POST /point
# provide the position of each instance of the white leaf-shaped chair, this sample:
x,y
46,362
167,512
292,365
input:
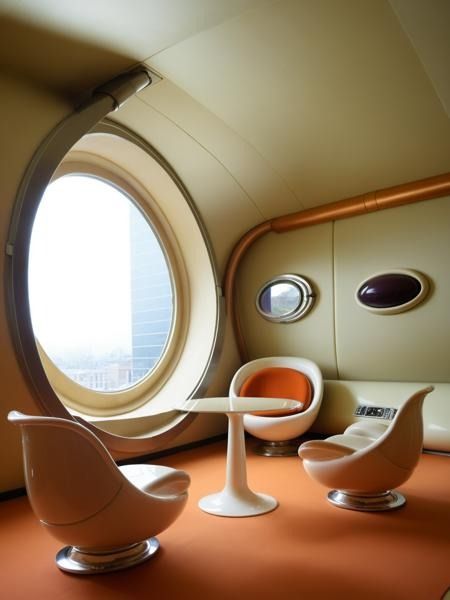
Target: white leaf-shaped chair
x,y
279,432
108,515
366,463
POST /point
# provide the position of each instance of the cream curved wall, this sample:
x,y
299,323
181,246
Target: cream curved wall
x,y
307,252
411,346
346,340
30,114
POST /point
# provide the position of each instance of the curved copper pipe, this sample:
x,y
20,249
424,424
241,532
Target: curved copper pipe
x,y
407,193
230,278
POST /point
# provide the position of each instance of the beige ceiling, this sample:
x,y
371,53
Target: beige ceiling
x,y
331,94
136,28
298,102
427,25
70,45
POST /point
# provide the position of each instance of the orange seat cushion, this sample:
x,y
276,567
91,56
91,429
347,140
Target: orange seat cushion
x,y
278,382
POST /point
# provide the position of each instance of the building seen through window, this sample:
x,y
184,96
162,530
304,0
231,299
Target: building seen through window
x,y
151,298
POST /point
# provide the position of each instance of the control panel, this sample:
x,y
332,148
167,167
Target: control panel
x,y
378,412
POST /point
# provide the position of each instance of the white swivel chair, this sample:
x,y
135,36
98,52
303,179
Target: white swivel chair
x,y
106,514
365,463
280,377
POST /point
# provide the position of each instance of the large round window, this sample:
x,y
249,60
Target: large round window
x,y
100,289
103,291
118,310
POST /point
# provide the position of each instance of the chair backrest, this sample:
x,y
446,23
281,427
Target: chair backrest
x,y
279,382
402,442
264,373
69,473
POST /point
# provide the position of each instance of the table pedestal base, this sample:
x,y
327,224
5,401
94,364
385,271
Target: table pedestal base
x,y
247,504
237,499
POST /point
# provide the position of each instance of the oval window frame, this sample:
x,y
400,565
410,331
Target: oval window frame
x,y
394,310
92,402
302,309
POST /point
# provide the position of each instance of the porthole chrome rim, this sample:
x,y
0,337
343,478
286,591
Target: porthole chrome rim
x,y
307,298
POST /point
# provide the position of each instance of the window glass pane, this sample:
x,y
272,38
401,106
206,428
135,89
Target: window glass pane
x,y
280,299
100,290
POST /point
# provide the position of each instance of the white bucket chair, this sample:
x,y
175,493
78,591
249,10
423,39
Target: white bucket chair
x,y
280,377
107,514
365,463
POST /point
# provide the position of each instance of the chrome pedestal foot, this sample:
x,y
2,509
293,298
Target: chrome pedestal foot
x,y
286,448
84,561
389,500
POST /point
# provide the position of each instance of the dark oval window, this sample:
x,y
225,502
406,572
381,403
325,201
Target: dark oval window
x,y
392,292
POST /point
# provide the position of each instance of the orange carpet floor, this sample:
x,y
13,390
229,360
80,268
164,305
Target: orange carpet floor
x,y
306,549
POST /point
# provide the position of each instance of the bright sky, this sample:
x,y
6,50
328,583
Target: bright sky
x,y
79,271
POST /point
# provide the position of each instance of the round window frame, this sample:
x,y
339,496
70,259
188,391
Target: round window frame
x,y
155,423
90,402
304,306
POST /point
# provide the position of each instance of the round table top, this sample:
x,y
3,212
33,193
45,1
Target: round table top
x,y
238,405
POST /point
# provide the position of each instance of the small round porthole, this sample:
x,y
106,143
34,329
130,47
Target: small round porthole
x,y
285,298
392,292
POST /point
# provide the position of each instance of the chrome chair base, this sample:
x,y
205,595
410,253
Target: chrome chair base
x,y
286,448
77,560
389,500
